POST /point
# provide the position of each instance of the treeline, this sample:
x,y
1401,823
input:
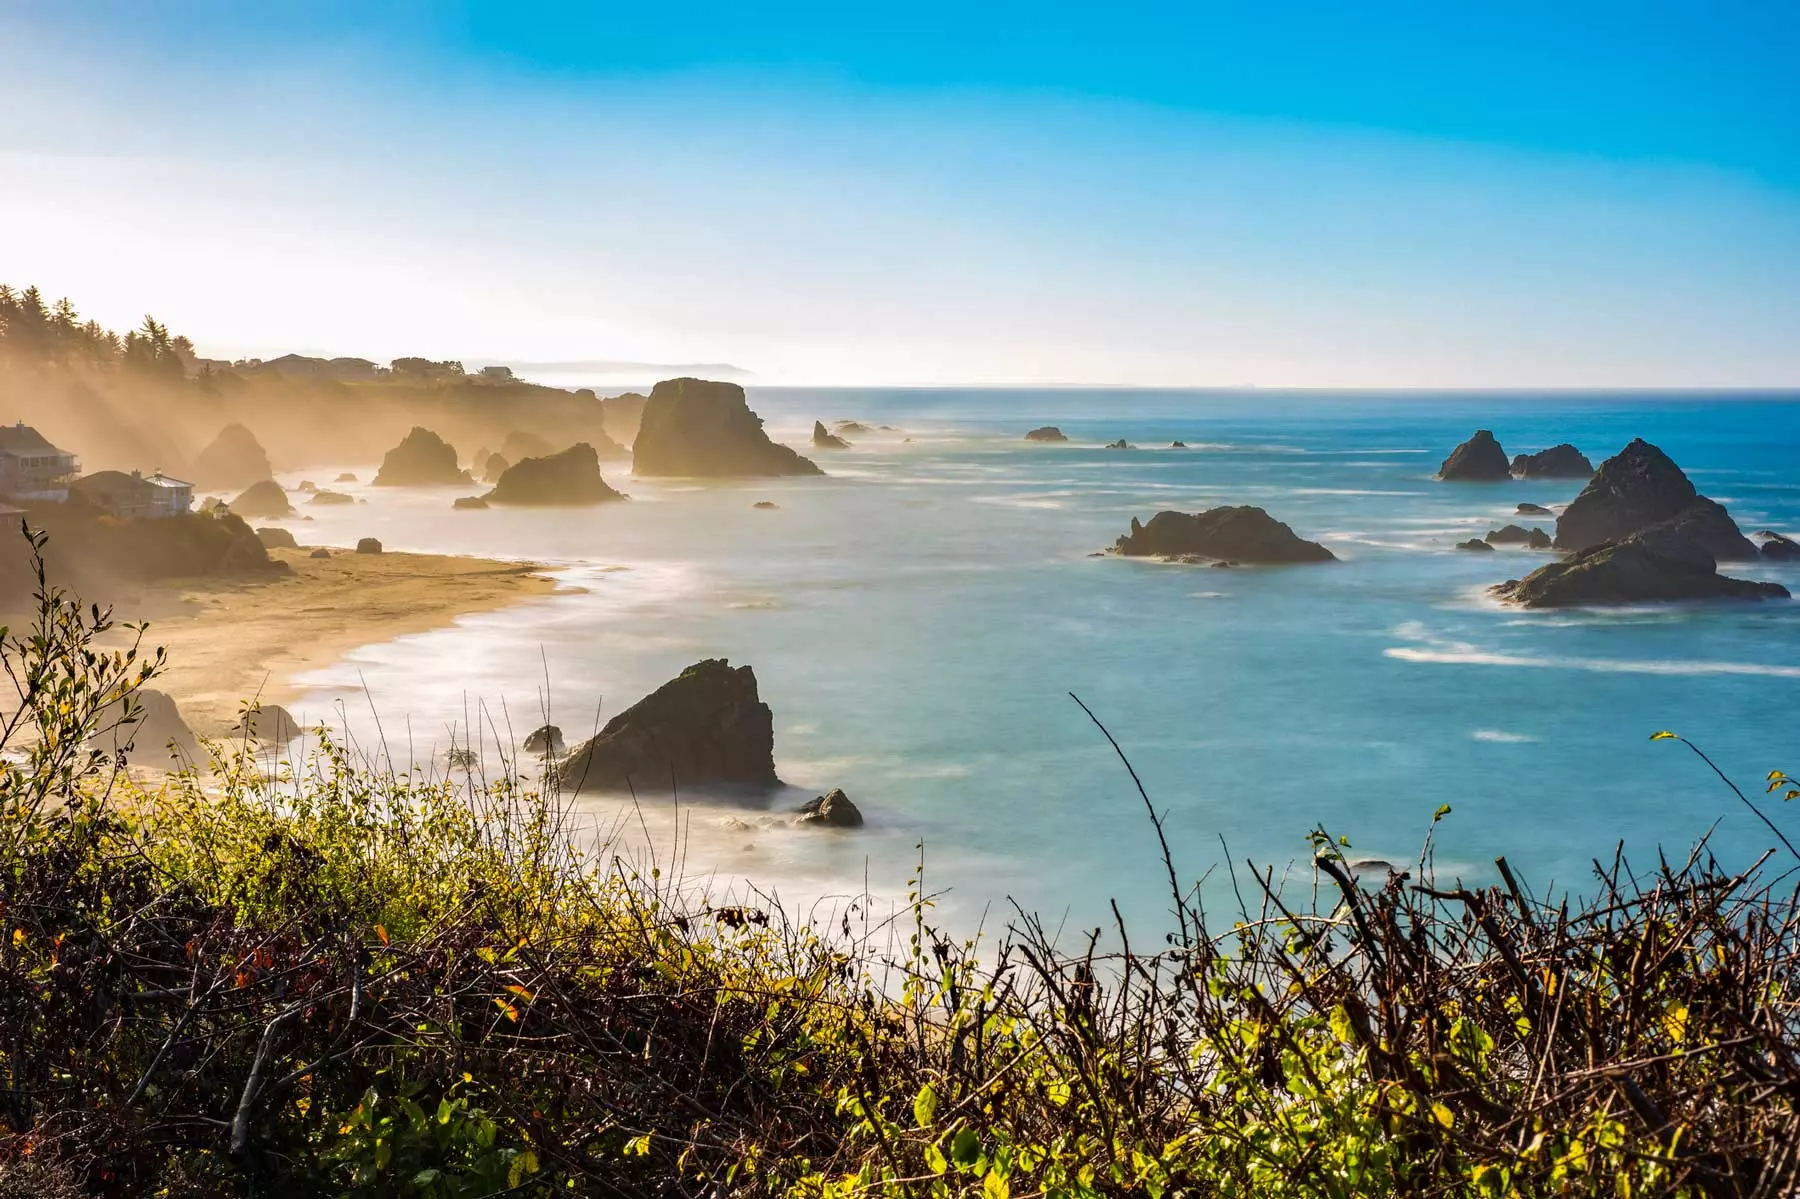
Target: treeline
x,y
33,333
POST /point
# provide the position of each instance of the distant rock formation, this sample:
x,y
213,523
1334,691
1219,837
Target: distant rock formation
x,y
1474,543
468,503
766,505
1558,462
1533,510
827,441
368,545
1241,534
707,727
832,810
1539,540
570,479
1659,564
1120,444
1508,535
422,459
700,429
1640,487
332,497
620,416
1477,460
546,741
346,477
277,539
1777,548
851,428
493,466
1046,433
262,501
520,445
306,485
271,724
1178,445
234,459
156,735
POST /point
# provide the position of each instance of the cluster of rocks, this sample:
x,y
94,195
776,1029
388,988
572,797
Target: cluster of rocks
x,y
694,428
570,479
1232,534
1481,460
422,459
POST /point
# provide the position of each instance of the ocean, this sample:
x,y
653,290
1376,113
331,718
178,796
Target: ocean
x,y
919,619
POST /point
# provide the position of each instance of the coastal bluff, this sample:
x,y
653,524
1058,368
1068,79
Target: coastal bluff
x,y
695,428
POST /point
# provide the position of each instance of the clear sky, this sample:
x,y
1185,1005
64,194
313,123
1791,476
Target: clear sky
x,y
1301,194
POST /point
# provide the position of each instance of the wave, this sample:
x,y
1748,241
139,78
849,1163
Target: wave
x,y
1461,654
1501,737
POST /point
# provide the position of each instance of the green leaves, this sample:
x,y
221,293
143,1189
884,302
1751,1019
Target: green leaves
x,y
965,1147
925,1106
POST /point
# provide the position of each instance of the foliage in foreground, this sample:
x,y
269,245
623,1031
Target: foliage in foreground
x,y
338,981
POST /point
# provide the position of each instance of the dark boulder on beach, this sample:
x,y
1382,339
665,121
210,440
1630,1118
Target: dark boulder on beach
x,y
695,428
368,545
1656,565
264,500
1509,535
1474,543
546,741
1533,510
233,459
1046,433
277,539
706,727
1558,462
422,459
1477,460
1242,534
823,440
1640,487
833,810
570,479
321,552
1777,548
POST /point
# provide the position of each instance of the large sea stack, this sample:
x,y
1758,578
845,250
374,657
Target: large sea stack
x,y
1640,487
620,416
1656,565
826,440
422,459
1477,460
1558,462
265,500
570,479
1046,433
1222,534
692,428
705,728
235,459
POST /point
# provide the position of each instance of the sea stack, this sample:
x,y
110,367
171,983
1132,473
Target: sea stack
x,y
694,428
1046,433
265,500
1241,534
824,440
705,728
1640,487
570,479
1558,462
1656,565
1477,460
234,459
422,459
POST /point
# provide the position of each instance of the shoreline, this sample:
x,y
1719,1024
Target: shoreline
x,y
233,640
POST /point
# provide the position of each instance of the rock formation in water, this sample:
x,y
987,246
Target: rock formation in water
x,y
306,485
546,741
332,497
766,505
1477,460
1778,548
422,459
346,477
621,415
493,466
271,724
277,539
1474,543
823,440
157,735
700,429
468,503
368,545
519,445
234,459
1539,540
1533,510
1178,445
1658,564
570,479
851,428
1558,462
705,728
1242,534
1120,444
831,810
1640,487
264,500
1508,535
1046,433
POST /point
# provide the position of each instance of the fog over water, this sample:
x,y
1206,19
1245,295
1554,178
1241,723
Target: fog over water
x,y
918,618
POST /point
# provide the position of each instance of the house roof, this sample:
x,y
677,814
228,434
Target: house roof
x,y
22,438
110,482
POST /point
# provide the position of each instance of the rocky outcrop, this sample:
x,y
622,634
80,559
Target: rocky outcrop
x,y
1475,543
520,445
823,440
263,501
831,810
1120,444
1178,445
468,503
621,415
306,485
1777,548
1558,462
765,505
705,728
546,741
321,552
234,459
422,459
570,479
157,735
1539,540
1508,535
368,545
271,724
851,428
1656,565
332,497
1242,534
346,477
1640,487
277,539
1477,460
693,428
1533,510
492,467
1046,433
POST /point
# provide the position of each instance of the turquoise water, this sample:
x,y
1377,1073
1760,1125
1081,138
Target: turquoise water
x,y
918,619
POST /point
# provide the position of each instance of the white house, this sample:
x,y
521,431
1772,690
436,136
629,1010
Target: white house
x,y
31,469
134,497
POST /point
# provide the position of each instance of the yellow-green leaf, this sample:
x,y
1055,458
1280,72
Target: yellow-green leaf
x,y
1443,1115
925,1106
996,1187
1665,735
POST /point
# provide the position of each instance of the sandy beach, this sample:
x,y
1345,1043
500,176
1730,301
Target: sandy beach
x,y
231,640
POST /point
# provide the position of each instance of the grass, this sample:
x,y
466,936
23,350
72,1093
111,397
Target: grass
x,y
340,980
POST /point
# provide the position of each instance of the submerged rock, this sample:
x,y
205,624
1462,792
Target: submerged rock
x,y
1046,433
271,724
1558,462
1241,534
570,479
422,459
833,809
1533,510
823,440
1474,543
277,539
468,503
701,429
234,459
1640,487
368,545
265,499
706,727
1656,565
1178,445
1778,548
546,741
1477,460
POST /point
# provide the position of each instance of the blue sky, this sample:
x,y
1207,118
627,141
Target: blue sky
x,y
1158,194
